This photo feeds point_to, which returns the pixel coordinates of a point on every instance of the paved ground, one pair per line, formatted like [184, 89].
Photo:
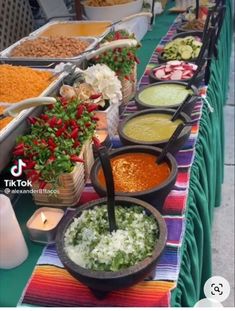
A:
[223, 226]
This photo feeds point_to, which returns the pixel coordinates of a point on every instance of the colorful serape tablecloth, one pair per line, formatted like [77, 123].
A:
[52, 286]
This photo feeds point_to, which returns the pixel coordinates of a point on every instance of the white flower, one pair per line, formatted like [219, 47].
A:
[104, 81]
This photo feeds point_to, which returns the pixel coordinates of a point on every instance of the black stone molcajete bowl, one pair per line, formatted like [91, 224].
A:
[188, 109]
[182, 138]
[199, 34]
[197, 82]
[103, 282]
[156, 195]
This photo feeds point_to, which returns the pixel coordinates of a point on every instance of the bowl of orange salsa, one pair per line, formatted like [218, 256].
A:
[136, 174]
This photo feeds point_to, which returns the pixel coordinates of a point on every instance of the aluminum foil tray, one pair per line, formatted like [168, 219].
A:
[5, 56]
[19, 125]
[45, 27]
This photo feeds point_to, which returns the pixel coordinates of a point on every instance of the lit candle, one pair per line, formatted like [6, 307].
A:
[43, 224]
[13, 249]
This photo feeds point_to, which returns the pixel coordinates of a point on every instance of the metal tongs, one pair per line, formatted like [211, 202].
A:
[13, 109]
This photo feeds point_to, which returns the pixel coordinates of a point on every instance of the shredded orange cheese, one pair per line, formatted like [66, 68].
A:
[18, 83]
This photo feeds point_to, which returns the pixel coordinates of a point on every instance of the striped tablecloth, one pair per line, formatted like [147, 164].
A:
[52, 286]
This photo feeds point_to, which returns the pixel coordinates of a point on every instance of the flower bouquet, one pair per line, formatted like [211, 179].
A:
[58, 152]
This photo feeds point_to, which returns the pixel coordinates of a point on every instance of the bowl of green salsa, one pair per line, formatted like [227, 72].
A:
[166, 95]
[153, 127]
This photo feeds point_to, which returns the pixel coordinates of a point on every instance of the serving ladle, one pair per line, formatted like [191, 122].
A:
[13, 109]
[171, 141]
[108, 175]
[182, 106]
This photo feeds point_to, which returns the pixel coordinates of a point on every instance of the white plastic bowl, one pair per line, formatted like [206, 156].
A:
[114, 12]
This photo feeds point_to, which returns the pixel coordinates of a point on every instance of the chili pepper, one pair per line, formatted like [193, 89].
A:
[43, 142]
[95, 96]
[127, 78]
[117, 36]
[92, 107]
[30, 164]
[44, 117]
[80, 111]
[60, 131]
[42, 185]
[136, 59]
[74, 133]
[95, 119]
[31, 120]
[35, 177]
[87, 124]
[75, 158]
[52, 122]
[19, 146]
[76, 144]
[59, 122]
[35, 142]
[96, 142]
[51, 142]
[63, 101]
[51, 106]
[73, 123]
[51, 159]
[18, 152]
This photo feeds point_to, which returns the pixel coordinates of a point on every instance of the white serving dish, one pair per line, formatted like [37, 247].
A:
[114, 12]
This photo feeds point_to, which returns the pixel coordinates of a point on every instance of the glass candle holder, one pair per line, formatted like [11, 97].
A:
[13, 249]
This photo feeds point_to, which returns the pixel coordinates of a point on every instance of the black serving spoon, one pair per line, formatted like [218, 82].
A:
[197, 9]
[108, 175]
[171, 141]
[199, 68]
[181, 107]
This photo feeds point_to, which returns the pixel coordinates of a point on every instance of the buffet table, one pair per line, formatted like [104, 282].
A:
[192, 249]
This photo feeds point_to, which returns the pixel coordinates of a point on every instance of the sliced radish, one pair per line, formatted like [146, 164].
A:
[187, 72]
[179, 68]
[159, 73]
[177, 75]
[166, 76]
[194, 67]
[174, 63]
[168, 69]
[187, 67]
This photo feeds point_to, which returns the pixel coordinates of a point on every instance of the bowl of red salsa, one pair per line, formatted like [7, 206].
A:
[136, 174]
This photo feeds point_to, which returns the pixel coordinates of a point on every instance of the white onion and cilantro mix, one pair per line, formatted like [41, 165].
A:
[90, 245]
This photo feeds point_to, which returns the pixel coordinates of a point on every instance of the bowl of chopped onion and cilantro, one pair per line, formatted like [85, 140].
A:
[107, 261]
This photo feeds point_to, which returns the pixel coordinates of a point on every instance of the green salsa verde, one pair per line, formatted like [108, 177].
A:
[164, 95]
[151, 127]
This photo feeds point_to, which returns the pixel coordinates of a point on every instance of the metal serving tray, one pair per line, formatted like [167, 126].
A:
[45, 27]
[5, 56]
[19, 125]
